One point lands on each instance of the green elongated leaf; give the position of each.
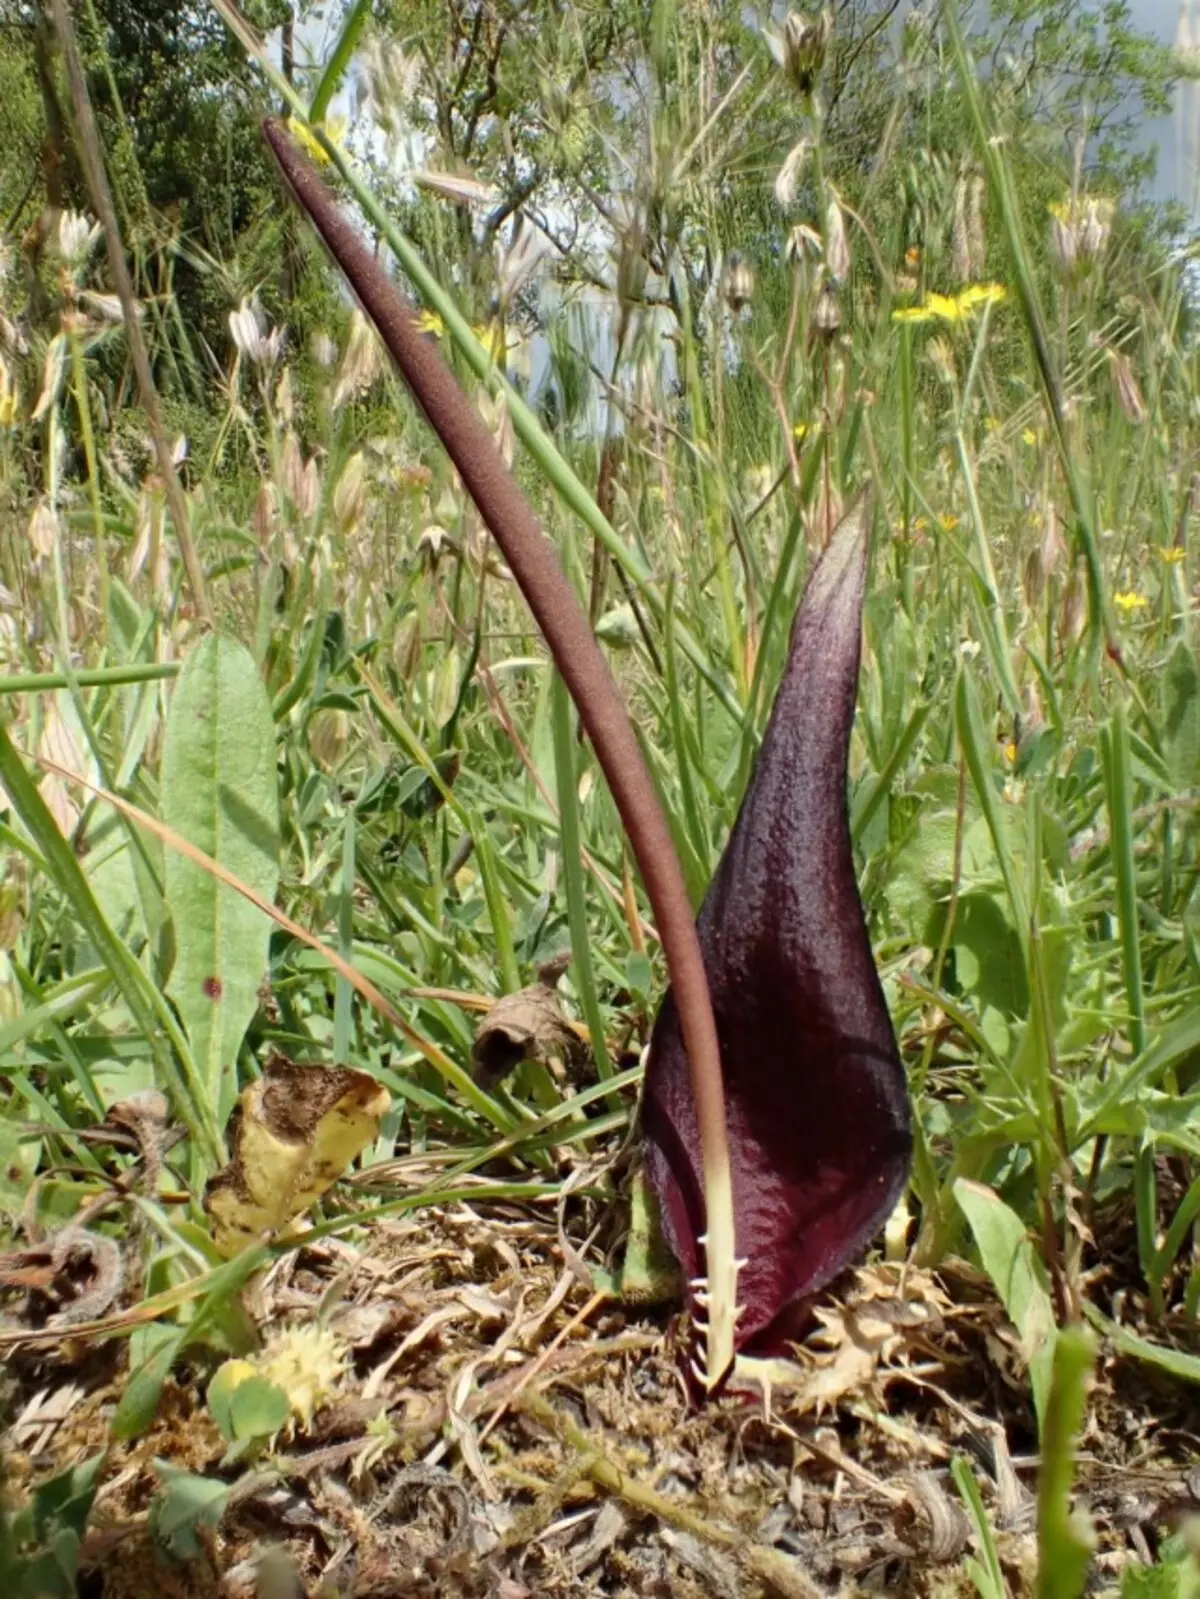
(219, 792)
(1010, 1261)
(568, 810)
(147, 1006)
(343, 51)
(1065, 1537)
(1175, 1362)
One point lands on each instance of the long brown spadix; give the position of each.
(536, 568)
(819, 1126)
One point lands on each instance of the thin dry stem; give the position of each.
(101, 196)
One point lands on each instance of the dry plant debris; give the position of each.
(490, 1429)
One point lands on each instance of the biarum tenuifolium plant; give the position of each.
(766, 1201)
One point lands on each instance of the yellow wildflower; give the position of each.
(1029, 436)
(491, 335)
(1132, 601)
(333, 129)
(430, 322)
(977, 294)
(1171, 556)
(801, 430)
(1010, 752)
(912, 256)
(9, 397)
(952, 307)
(947, 522)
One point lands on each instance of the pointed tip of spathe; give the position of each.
(847, 548)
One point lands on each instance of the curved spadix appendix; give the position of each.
(816, 1101)
(800, 1166)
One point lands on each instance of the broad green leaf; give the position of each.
(219, 792)
(258, 1408)
(1176, 1575)
(1010, 1261)
(184, 1503)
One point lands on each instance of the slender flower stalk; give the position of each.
(536, 568)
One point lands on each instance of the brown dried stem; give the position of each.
(101, 196)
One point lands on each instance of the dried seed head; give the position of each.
(802, 242)
(1073, 611)
(805, 42)
(77, 235)
(350, 493)
(1129, 395)
(739, 285)
(792, 170)
(43, 530)
(362, 362)
(837, 247)
(827, 313)
(251, 337)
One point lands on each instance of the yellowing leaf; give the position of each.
(293, 1134)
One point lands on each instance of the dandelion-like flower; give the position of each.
(1130, 601)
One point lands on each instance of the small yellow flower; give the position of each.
(944, 306)
(801, 430)
(1171, 556)
(912, 256)
(1010, 752)
(1029, 436)
(992, 424)
(333, 128)
(491, 335)
(977, 294)
(9, 397)
(430, 322)
(1132, 601)
(920, 524)
(947, 522)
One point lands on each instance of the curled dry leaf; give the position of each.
(293, 1134)
(527, 1025)
(818, 1114)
